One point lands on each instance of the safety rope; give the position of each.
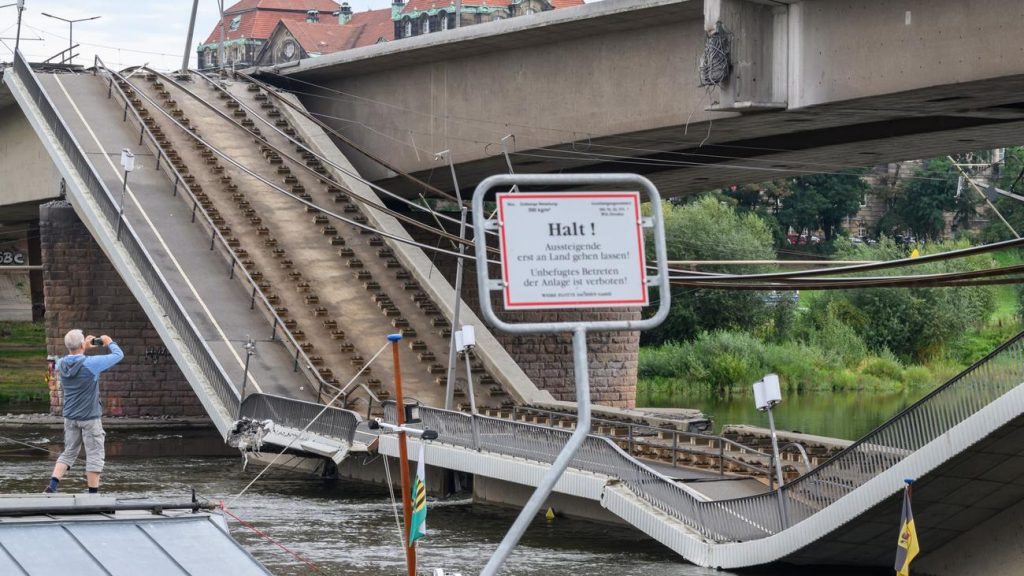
(267, 537)
(311, 422)
(394, 502)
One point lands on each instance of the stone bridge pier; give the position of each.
(81, 289)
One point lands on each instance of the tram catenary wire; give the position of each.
(262, 140)
(352, 174)
(349, 141)
(574, 133)
(302, 201)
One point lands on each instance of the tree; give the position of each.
(1012, 180)
(822, 201)
(914, 323)
(921, 203)
(708, 229)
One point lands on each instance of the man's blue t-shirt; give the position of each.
(80, 378)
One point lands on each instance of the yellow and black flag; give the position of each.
(907, 545)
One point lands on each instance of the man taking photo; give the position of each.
(80, 379)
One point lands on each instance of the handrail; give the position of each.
(676, 434)
(759, 516)
(263, 141)
(800, 449)
(303, 166)
(216, 233)
(205, 361)
(348, 172)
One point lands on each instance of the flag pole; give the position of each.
(403, 458)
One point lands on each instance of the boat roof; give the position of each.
(87, 534)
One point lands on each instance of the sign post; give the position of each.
(568, 250)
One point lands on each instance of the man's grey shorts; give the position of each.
(87, 432)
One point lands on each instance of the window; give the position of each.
(424, 24)
(444, 20)
(235, 23)
(408, 28)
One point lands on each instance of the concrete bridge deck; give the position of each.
(612, 86)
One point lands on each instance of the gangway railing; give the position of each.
(235, 266)
(638, 437)
(332, 423)
(759, 516)
(206, 363)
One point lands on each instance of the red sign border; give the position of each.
(506, 291)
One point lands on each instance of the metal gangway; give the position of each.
(180, 278)
(842, 512)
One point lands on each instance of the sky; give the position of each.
(128, 32)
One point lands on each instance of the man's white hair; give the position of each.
(74, 340)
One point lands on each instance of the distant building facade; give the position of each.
(418, 17)
(247, 26)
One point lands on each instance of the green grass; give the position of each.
(23, 362)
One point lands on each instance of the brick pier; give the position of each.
(82, 290)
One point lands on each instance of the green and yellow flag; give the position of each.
(418, 524)
(907, 546)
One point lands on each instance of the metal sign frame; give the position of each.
(481, 225)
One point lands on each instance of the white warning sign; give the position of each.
(572, 250)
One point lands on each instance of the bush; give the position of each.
(915, 323)
(708, 229)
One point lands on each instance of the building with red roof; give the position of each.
(291, 40)
(274, 32)
(246, 26)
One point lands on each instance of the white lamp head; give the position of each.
(772, 390)
(127, 160)
(759, 400)
(468, 336)
(459, 346)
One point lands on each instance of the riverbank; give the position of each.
(23, 362)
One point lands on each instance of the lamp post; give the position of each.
(767, 394)
(71, 30)
(250, 349)
(465, 340)
(128, 163)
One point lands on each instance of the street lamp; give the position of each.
(128, 163)
(465, 340)
(71, 30)
(767, 394)
(21, 8)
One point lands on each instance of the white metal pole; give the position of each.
(547, 483)
(188, 39)
(778, 468)
(449, 396)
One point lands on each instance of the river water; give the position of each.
(342, 528)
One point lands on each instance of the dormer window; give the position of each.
(408, 28)
(235, 23)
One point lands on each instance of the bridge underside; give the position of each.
(612, 86)
(765, 146)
